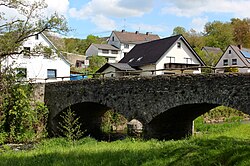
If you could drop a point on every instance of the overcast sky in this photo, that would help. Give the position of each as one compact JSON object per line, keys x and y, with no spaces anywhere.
{"x":100,"y":17}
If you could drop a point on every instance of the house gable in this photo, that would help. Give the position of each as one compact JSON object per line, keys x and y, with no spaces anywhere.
{"x":179,"y":53}
{"x":231,"y":53}
{"x":152,"y":52}
{"x":37,"y":65}
{"x":114,"y":40}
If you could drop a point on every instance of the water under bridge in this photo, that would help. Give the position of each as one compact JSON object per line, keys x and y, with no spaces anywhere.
{"x":166,"y":105}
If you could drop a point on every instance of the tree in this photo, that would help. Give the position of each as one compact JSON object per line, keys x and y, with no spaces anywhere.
{"x":179,"y":31}
{"x":70,"y":126}
{"x":96,"y":62}
{"x":29,"y":22}
{"x":195,"y":39}
{"x":241,"y":31}
{"x":79,"y":46}
{"x":17,"y":115}
{"x":218,"y":34}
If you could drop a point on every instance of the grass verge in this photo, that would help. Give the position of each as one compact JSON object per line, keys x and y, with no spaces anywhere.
{"x":227,"y":147}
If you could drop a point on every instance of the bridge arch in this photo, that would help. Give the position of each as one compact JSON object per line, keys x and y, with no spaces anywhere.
{"x":177,"y":122}
{"x":97,"y":120}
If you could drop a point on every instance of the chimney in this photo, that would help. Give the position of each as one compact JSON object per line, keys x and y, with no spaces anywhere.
{"x":136,"y":32}
{"x":123,"y":30}
{"x":240,"y":46}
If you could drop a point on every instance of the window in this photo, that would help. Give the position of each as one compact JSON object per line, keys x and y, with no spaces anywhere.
{"x":188,"y":60}
{"x":79,"y":63}
{"x":36,"y":37}
{"x":21,"y":72}
{"x":126,"y":45}
{"x":234,"y":61}
{"x":51,"y":73}
{"x":225,"y":62}
{"x":229,"y":52}
{"x":105,"y":51}
{"x":26,"y":51}
{"x":178,"y":44}
{"x":114,"y":52}
{"x":171,"y":59}
{"x":113,"y":38}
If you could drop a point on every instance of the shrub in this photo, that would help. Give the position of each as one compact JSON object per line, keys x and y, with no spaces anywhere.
{"x":19,"y":119}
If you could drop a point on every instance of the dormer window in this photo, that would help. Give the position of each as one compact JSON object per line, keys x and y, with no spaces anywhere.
{"x":131,"y":60}
{"x":178,"y":44}
{"x":139,"y":58}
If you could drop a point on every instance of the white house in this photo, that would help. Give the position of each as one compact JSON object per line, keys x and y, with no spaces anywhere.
{"x":35,"y":66}
{"x":163,"y":56}
{"x":119,"y":44}
{"x":234,"y":57}
{"x":111,"y":53}
{"x":116,"y":70}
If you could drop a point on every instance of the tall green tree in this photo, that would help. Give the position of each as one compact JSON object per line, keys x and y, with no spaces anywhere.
{"x":96,"y":62}
{"x":79,"y":46}
{"x":195,"y":39}
{"x":179,"y":31}
{"x":28,"y":22}
{"x":218,"y":34}
{"x":241,"y":31}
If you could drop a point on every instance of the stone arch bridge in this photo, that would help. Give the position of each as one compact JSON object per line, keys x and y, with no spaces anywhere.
{"x":166,"y":105}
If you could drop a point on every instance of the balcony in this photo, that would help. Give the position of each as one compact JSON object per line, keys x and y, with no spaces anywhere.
{"x":180,"y":66}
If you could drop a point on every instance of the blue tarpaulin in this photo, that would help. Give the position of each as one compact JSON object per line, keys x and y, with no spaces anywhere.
{"x":77,"y":77}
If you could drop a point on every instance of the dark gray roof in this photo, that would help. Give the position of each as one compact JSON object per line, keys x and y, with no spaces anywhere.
{"x":212,"y":50}
{"x":105,"y":47}
{"x":118,"y":66}
{"x":151,"y":52}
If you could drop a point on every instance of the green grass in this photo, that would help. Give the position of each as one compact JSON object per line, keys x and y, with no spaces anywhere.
{"x":229,"y":146}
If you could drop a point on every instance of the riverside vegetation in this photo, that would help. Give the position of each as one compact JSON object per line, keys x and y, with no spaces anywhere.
{"x":215,"y":144}
{"x":228,"y":145}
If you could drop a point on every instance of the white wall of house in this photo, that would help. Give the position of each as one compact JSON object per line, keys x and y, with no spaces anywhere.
{"x":108,"y":54}
{"x":230,"y":55}
{"x":146,"y":70}
{"x":177,"y":55}
{"x":124,"y":47}
{"x":112,"y":72}
{"x":37,"y":65}
{"x":111,"y":57}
